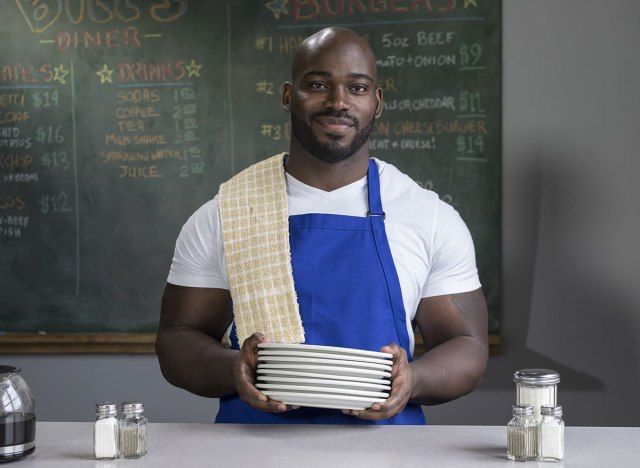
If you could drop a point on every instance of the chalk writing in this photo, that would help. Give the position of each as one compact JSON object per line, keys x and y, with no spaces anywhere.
{"x":470,"y":55}
{"x":12,"y":226}
{"x":42,"y":15}
{"x":470,"y":144}
{"x":309,"y":10}
{"x":52,"y":203}
{"x":45,"y":99}
{"x":49,"y":134}
{"x":417,"y":61}
{"x":264,"y":87}
{"x":420,"y":104}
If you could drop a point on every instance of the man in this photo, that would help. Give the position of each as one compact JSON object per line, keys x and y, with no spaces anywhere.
{"x":372,"y":254}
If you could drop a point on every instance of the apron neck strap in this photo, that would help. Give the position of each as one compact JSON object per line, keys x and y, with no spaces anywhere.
{"x":373,"y":187}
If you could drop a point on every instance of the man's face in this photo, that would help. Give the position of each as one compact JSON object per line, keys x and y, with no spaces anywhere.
{"x":334,"y":102}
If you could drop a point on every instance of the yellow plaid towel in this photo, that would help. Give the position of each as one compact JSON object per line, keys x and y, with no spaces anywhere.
{"x":254,"y":214}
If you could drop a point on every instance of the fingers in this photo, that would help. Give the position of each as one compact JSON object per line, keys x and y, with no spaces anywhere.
{"x":251,"y":342}
{"x":250,"y":348}
{"x":400,"y":362}
{"x":244,"y":381}
{"x":391,"y":406}
{"x":400,"y":388}
{"x":258,"y":400}
{"x":271,"y":406}
{"x":245,"y":377}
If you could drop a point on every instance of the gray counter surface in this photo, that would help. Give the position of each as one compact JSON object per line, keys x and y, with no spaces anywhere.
{"x":230,"y":445}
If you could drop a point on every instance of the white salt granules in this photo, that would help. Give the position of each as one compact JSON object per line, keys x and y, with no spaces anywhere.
{"x":105,"y":438}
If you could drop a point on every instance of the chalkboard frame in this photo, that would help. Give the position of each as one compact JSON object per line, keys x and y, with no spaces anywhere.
{"x":77,"y":343}
{"x":121,"y":343}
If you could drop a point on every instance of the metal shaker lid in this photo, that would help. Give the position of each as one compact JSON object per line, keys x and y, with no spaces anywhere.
{"x":132,"y":407}
{"x":536,"y":377}
{"x":106,"y":408}
{"x":551,"y":411}
{"x":522,"y":410}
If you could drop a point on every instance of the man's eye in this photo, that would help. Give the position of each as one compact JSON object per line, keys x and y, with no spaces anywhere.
{"x":359,"y":88}
{"x":317,"y":86}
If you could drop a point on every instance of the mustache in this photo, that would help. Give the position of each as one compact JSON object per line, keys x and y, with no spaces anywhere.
{"x":335,"y":115}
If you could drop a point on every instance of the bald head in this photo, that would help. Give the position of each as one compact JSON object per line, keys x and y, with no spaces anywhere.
{"x":333,"y":42}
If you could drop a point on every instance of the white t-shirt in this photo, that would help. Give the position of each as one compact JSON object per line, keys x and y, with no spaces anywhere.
{"x":430,"y":244}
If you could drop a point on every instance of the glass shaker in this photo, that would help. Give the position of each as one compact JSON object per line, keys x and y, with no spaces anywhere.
{"x":105,"y":432}
{"x":133,"y":430}
{"x":551,"y":434}
{"x":522,"y":434}
{"x":536,"y":387}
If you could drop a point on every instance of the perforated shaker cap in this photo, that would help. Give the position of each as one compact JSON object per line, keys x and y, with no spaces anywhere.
{"x":537,"y":377}
{"x":132,"y":407}
{"x":106,"y":408}
{"x":551,"y":411}
{"x":522,"y":410}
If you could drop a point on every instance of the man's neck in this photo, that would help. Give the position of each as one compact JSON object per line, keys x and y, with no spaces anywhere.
{"x":325,"y":176}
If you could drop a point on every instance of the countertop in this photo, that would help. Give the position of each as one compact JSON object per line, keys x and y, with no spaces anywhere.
{"x":230,"y":445}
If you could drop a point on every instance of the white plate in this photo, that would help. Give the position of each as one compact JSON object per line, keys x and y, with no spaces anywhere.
{"x":329,"y":370}
{"x":325,"y":383}
{"x":315,"y":375}
{"x":322,"y":405}
{"x":314,"y":389}
{"x":328,"y":362}
{"x":314,"y":399}
{"x":311,"y":354}
{"x":325,"y":349}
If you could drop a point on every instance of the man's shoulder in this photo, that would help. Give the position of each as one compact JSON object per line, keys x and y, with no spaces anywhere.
{"x":396,"y":186}
{"x":204,"y":217}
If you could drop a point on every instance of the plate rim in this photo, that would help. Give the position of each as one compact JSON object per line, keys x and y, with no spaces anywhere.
{"x":343,"y":357}
{"x":323,"y":396}
{"x":289,"y":372}
{"x":332,"y":362}
{"x":316,"y":381}
{"x":311,"y":347}
{"x":320,"y":390}
{"x":370,"y":372}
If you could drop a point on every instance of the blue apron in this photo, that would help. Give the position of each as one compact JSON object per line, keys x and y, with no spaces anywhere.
{"x":348,"y":294}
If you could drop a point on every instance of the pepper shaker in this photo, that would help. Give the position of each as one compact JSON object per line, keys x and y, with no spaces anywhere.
{"x":133,"y":430}
{"x":522,"y":434}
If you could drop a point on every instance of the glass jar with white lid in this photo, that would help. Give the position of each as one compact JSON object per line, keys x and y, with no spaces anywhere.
{"x":536,"y":387}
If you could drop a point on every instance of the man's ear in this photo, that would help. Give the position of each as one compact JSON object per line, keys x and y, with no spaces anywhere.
{"x":286,"y":91}
{"x":379,"y":106}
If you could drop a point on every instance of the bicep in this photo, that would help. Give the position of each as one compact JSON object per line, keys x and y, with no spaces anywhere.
{"x":441,"y":318}
{"x":205,"y":309}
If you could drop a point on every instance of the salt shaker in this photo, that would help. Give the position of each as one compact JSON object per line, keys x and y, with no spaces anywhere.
{"x":105,"y":432}
{"x":133,"y":430}
{"x":551,"y":434}
{"x":536,"y":387}
{"x":522,"y":434}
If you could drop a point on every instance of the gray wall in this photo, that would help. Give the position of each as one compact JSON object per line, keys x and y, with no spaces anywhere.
{"x":570,"y":232}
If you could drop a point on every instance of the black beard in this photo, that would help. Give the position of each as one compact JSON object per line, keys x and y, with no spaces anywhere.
{"x":332,"y":152}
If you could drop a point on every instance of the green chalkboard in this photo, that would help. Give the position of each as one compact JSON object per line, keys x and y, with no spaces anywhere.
{"x":119,"y":118}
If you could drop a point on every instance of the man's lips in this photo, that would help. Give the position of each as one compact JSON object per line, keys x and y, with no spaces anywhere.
{"x":335,"y":124}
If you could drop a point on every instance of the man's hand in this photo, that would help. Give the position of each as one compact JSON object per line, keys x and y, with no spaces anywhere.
{"x":244,"y":376}
{"x":401,"y":387}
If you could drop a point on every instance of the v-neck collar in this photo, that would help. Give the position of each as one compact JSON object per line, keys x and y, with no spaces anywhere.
{"x":296,"y":184}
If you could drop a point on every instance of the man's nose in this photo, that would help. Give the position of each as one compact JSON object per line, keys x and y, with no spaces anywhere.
{"x":338,"y":99}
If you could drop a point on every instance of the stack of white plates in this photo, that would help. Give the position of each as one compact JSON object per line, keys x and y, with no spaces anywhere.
{"x":323,"y":376}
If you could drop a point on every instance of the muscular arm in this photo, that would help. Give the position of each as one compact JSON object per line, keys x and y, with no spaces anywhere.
{"x":454,"y":330}
{"x":192,"y":324}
